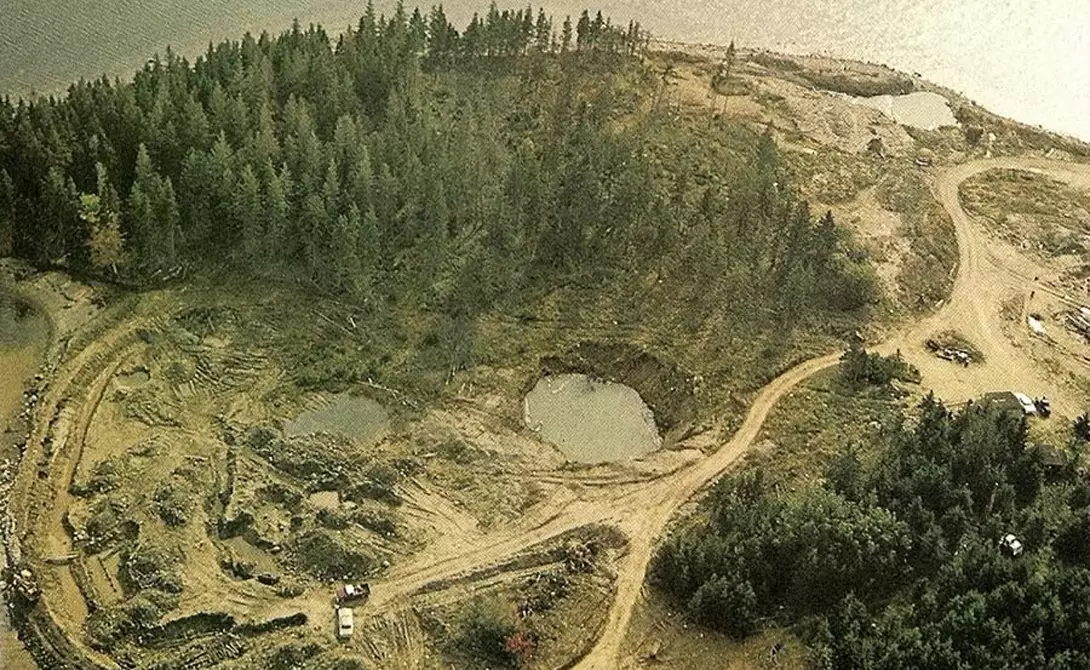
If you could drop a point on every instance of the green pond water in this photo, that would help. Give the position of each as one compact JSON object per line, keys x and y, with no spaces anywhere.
{"x":591,"y":421}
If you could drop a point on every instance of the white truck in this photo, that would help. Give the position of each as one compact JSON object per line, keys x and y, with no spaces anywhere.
{"x":346,"y":622}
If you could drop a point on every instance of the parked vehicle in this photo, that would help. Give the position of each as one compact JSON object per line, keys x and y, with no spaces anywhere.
{"x":1011,"y":545}
{"x":353,"y":593}
{"x":346,"y":622}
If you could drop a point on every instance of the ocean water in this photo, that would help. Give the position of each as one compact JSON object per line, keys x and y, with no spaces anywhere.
{"x":1027,"y":59}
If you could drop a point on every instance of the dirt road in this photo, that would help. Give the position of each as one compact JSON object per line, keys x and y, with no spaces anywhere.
{"x":988,"y":274}
{"x":641,"y":509}
{"x":981,"y":285}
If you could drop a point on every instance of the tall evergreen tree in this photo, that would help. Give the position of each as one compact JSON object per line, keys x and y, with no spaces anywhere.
{"x":7,"y":213}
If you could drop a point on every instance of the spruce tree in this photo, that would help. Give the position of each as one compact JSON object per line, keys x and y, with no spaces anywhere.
{"x":251,"y":215}
{"x":7,"y":213}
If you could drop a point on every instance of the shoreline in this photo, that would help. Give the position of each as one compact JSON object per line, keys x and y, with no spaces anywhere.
{"x":53,"y":297}
{"x":191,"y":41}
{"x":47,"y":293}
{"x":955,"y":97}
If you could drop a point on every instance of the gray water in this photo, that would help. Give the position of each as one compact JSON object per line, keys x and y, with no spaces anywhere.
{"x":591,"y":421}
{"x":1027,"y":59}
{"x":922,"y":109}
{"x":23,"y":337}
{"x":360,"y":419}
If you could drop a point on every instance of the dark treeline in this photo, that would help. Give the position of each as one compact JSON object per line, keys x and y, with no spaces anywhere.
{"x":895,"y":561}
{"x":400,"y":153}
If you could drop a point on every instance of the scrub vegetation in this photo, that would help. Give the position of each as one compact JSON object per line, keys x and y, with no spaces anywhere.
{"x":407,"y":165}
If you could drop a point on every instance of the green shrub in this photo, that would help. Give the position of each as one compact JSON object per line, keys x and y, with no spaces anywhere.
{"x":485,"y":632}
{"x":859,"y":369}
{"x":726,"y":603}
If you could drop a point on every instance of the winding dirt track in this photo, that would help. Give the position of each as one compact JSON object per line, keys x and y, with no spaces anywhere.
{"x":643,"y":509}
{"x":981,"y":284}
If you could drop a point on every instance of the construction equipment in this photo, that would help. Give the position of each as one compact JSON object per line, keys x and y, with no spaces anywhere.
{"x":949,"y":353}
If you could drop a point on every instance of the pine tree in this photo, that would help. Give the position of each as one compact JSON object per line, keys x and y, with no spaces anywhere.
{"x":59,"y":208}
{"x":582,"y":31}
{"x":314,"y":231}
{"x":266,"y":147}
{"x":344,"y":245}
{"x":141,"y":216}
{"x":251,"y":215}
{"x":418,"y":33}
{"x":566,"y":35}
{"x":277,"y":214}
{"x":7,"y":213}
{"x":169,"y":222}
{"x":542,"y":31}
{"x":441,"y":38}
{"x":368,"y":243}
{"x":224,"y":228}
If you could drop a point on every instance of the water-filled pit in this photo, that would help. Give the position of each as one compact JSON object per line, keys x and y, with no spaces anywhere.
{"x":591,"y":421}
{"x":923,"y":109}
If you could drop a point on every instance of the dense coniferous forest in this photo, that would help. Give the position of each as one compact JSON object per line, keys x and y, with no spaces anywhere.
{"x":895,"y":562}
{"x":404,"y":157}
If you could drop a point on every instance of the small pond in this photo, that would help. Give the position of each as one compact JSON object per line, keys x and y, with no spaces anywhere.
{"x":591,"y":421}
{"x":922,"y":109}
{"x":360,"y":419}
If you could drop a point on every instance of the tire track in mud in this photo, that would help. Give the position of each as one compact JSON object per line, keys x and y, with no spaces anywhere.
{"x":54,"y":450}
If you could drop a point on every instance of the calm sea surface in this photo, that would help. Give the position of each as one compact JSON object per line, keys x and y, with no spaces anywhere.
{"x":1028,"y":59}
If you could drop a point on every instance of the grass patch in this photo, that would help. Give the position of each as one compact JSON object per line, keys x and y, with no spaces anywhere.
{"x":818,"y":421}
{"x":1027,"y":208}
{"x":927,"y":275}
{"x":859,"y":84}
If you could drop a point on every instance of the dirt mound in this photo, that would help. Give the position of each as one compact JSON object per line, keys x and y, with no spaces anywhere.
{"x":325,"y":556}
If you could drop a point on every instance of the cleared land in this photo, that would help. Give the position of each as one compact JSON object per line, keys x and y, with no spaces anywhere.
{"x":165,"y":413}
